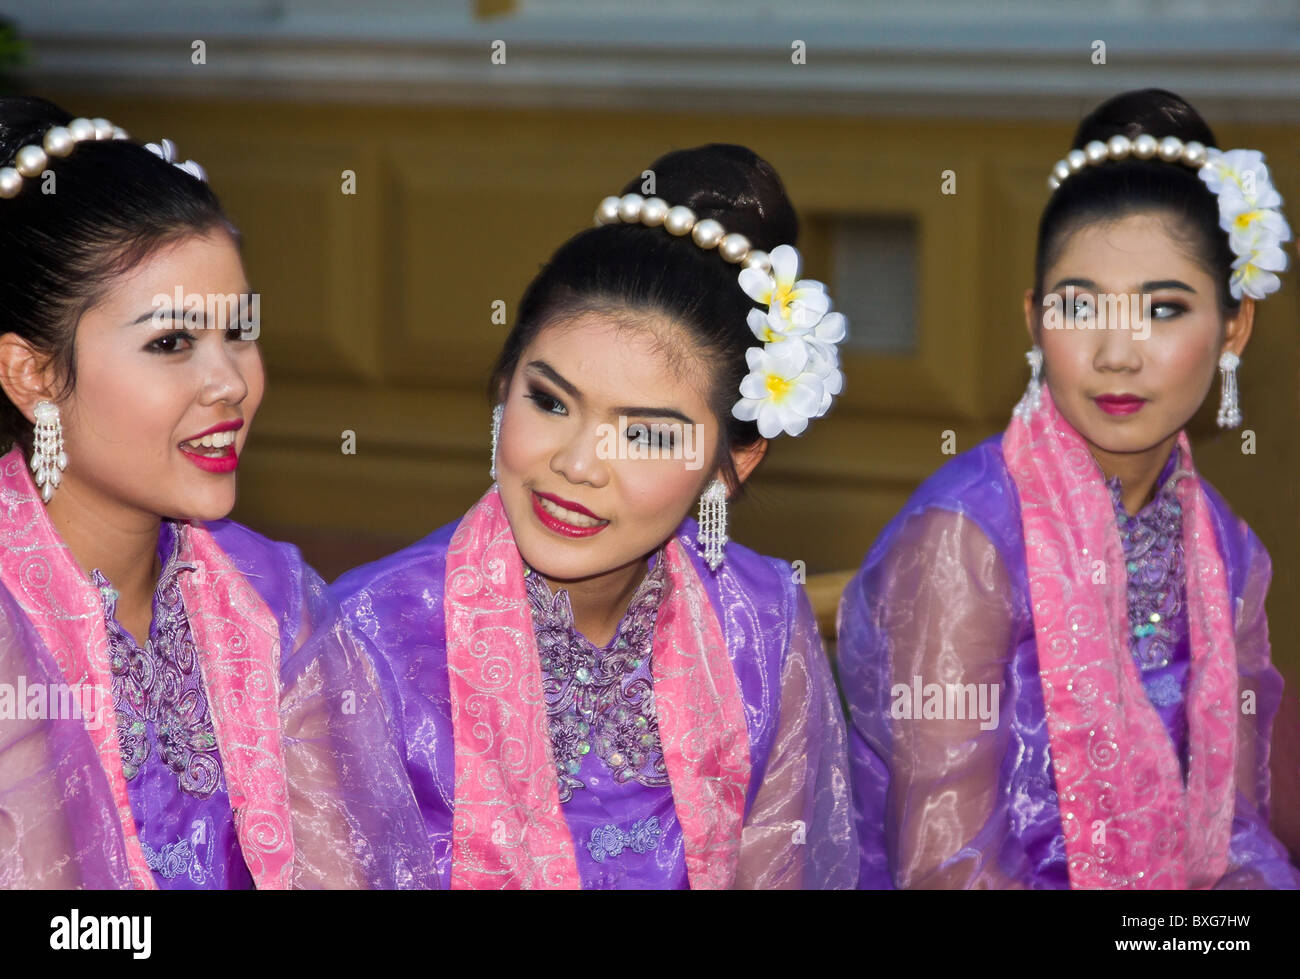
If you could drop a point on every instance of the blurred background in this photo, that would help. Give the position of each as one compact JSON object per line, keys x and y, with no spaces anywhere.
{"x":482,"y":134}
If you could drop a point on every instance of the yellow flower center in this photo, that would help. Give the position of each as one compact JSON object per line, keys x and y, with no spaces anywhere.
{"x":1242,"y":221}
{"x":777,"y":387}
{"x":781,"y":297}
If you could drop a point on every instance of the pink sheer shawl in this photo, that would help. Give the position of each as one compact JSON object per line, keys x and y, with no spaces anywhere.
{"x":1129,"y":819}
{"x":508,"y":829}
{"x":238,"y":645}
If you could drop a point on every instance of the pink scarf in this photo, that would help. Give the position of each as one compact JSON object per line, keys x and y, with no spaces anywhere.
{"x":1129,"y":821}
{"x":508,"y":830}
{"x":238,"y":645}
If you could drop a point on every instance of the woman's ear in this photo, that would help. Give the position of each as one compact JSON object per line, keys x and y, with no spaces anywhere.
{"x":1238,"y":327}
{"x":24,"y":374}
{"x":1031,"y":317}
{"x":745,"y":459}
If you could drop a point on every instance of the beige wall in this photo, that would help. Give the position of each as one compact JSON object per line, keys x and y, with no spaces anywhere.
{"x":377,"y":307}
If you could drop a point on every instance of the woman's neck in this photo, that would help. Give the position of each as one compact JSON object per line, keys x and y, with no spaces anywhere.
{"x":1137,"y":471}
{"x":600,"y":602}
{"x":121,"y":543}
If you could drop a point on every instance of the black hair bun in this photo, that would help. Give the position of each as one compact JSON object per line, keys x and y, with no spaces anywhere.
{"x":1149,"y":110}
{"x":731,"y":184}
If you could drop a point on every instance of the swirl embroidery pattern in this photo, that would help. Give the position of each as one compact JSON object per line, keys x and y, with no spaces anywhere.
{"x":601,"y":698}
{"x":161,"y":684}
{"x":610,"y":841}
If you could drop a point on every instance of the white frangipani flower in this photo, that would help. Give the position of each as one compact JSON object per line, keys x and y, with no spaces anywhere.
{"x":1249,"y":211}
{"x":780,"y":392}
{"x":800,"y":302}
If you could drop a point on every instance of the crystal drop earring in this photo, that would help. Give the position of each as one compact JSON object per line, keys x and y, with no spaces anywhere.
{"x":712,"y":538}
{"x":1033,"y":396}
{"x":48,"y":458}
{"x":497,"y":412}
{"x":1229,"y":408}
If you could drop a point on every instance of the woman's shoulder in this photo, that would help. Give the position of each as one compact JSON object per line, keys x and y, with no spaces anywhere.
{"x":1239,"y":544}
{"x":419,"y":567}
{"x":973,"y":491}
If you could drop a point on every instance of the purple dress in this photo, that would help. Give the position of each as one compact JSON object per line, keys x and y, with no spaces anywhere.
{"x":354,"y":821}
{"x":170,"y":757}
{"x":950,"y":569}
{"x":615,"y":795}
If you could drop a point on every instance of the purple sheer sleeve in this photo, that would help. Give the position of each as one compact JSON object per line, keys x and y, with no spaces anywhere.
{"x":356,"y":823}
{"x":799,"y":831}
{"x":926,"y":643}
{"x":58,"y":825}
{"x":1256,"y":859}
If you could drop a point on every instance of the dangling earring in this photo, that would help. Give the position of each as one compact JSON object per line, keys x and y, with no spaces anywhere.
{"x":1033,"y":396}
{"x":497,"y":412}
{"x":713,"y":523}
{"x":48,"y":458}
{"x":1229,"y":409}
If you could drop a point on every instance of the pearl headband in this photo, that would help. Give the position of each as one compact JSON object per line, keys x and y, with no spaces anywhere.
{"x":1249,"y":205}
{"x":59,"y":141}
{"x":795,"y":373}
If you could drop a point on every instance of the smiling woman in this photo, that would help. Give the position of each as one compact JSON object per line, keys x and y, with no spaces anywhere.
{"x":595,"y":690}
{"x":177,"y":634}
{"x":1077,"y":568}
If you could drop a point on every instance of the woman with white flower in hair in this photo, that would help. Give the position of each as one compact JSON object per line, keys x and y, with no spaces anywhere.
{"x":596,"y":691}
{"x":1075,"y":573}
{"x":160,"y":726}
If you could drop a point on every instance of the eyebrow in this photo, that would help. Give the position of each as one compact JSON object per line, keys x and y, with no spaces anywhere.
{"x":172,"y":313}
{"x":641,"y":411}
{"x":1151,"y":286}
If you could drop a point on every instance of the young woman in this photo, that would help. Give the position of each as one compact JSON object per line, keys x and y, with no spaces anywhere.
{"x":1056,"y":655}
{"x":595,"y":691}
{"x":159,"y":727}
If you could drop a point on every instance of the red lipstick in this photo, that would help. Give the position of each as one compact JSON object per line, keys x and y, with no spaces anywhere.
{"x":1119,"y":404}
{"x":218,"y":460}
{"x":552,"y":522}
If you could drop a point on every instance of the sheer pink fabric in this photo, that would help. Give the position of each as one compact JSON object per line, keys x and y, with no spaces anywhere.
{"x":1129,"y":821}
{"x":508,"y":827}
{"x":319,"y":792}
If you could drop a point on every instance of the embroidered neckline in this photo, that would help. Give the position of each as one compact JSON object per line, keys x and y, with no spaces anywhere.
{"x":160,"y":681}
{"x":600,"y":698}
{"x":1153,"y":558}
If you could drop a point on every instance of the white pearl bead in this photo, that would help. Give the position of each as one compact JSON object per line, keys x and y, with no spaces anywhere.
{"x":58,"y":141}
{"x":654,"y":211}
{"x":758,"y":259}
{"x":1194,"y":153}
{"x":679,"y":220}
{"x":103,"y":128}
{"x":1052,"y":183}
{"x":1120,"y":146}
{"x":1171,"y":148}
{"x":1062,"y":170}
{"x":31,"y":161}
{"x":81,"y":129}
{"x":11,"y":182}
{"x":629,"y":208}
{"x":734,"y":248}
{"x":707,"y":233}
{"x":1145,"y":146}
{"x":1076,"y":160}
{"x":120,"y":133}
{"x":607,"y":211}
{"x":1096,"y":152}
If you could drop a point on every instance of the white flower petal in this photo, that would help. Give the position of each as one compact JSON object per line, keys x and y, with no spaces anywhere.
{"x":785,"y":265}
{"x":757,"y":284}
